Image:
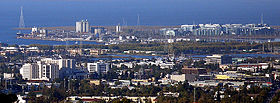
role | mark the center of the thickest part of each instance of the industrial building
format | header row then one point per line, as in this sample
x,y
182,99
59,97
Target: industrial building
x,y
82,26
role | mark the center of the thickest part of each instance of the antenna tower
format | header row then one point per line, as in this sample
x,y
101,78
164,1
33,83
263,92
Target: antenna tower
x,y
21,21
138,20
262,18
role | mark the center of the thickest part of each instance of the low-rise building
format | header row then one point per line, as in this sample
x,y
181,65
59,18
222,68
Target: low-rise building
x,y
192,74
107,99
95,82
8,75
218,59
178,78
252,67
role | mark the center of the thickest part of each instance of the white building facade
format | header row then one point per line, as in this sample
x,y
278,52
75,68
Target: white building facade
x,y
62,63
39,71
82,26
30,71
98,67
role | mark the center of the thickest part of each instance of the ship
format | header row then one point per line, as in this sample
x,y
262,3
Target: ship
x,y
20,34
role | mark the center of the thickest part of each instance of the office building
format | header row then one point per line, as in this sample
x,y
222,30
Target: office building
x,y
98,67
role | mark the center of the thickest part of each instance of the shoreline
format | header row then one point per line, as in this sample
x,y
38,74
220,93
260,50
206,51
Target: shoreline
x,y
49,39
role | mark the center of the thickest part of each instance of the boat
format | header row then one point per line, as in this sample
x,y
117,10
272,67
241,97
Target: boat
x,y
20,34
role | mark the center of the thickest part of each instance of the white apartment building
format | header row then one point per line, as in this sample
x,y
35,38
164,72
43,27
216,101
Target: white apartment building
x,y
39,71
62,63
30,71
50,71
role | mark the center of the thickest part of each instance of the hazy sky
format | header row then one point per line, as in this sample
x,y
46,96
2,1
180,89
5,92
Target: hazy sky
x,y
152,12
50,13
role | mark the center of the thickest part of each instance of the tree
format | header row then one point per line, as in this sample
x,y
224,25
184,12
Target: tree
x,y
10,98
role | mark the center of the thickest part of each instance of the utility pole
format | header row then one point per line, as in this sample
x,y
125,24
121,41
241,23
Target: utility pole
x,y
263,47
6,84
69,85
67,44
194,95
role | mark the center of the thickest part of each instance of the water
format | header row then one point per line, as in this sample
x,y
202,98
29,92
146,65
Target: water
x,y
241,55
133,56
124,57
97,59
254,55
49,13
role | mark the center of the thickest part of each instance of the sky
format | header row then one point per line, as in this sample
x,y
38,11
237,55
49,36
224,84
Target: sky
x,y
51,13
152,12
